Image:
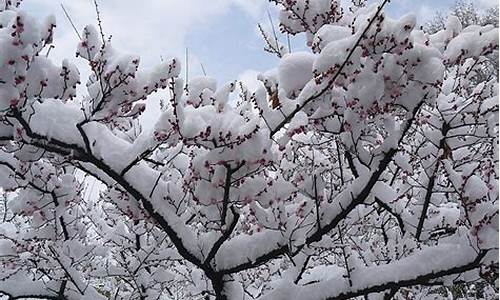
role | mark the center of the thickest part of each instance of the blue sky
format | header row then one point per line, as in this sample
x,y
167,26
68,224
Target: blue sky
x,y
221,34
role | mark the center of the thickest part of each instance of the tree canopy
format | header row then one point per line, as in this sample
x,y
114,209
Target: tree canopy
x,y
366,166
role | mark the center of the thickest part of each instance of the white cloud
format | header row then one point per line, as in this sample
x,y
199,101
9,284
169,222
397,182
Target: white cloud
x,y
255,8
152,29
159,27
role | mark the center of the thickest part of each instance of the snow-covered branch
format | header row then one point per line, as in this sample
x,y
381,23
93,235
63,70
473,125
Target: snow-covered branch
x,y
366,166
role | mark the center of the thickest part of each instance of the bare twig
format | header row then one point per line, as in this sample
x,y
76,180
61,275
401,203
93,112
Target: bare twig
x,y
71,22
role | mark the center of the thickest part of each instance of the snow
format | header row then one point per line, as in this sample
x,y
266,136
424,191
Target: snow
x,y
53,119
425,262
466,45
299,158
329,33
335,53
368,88
475,188
294,71
7,247
18,286
200,89
91,43
248,248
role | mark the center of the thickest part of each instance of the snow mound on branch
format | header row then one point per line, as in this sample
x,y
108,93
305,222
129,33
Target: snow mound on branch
x,y
476,188
294,71
335,53
329,33
200,90
473,41
368,88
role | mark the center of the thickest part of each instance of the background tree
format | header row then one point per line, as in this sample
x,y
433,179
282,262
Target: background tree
x,y
365,167
469,14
